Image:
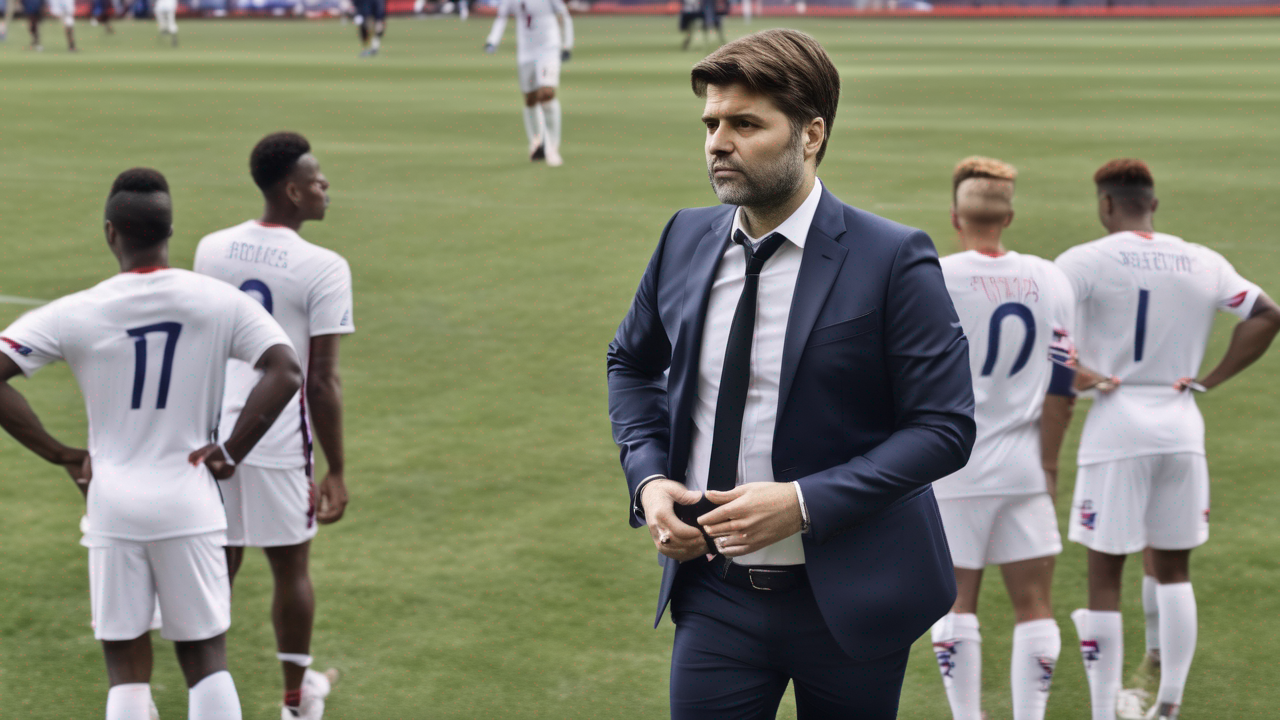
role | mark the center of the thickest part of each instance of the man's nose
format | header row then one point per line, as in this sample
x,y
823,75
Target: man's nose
x,y
719,142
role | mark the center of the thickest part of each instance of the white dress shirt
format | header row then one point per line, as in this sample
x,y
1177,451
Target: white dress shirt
x,y
773,308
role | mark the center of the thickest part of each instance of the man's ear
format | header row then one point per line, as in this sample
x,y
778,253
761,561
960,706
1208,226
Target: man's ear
x,y
1155,205
292,192
1009,220
109,232
955,219
814,134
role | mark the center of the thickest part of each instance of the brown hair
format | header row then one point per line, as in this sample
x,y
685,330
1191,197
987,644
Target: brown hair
x,y
788,66
982,189
976,166
1125,172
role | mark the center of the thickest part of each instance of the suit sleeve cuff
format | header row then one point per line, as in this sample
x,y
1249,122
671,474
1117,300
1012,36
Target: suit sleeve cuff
x,y
806,527
637,508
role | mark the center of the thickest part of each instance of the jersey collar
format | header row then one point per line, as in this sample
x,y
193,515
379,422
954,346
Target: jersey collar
x,y
150,269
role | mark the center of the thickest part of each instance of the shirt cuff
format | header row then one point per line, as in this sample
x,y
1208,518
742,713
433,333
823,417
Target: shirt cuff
x,y
637,509
805,525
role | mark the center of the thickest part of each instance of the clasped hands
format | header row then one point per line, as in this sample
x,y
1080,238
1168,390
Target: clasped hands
x,y
749,517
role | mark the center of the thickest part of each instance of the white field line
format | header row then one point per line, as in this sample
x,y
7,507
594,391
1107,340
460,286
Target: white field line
x,y
13,300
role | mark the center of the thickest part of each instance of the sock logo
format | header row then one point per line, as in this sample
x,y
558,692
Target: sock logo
x,y
1046,671
1088,516
946,652
1089,651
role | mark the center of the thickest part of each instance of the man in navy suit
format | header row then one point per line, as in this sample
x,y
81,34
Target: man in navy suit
x,y
789,380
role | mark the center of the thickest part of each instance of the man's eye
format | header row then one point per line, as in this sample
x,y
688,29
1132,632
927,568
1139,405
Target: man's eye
x,y
744,124
711,126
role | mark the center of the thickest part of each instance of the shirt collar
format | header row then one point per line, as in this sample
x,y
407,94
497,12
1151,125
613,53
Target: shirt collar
x,y
795,228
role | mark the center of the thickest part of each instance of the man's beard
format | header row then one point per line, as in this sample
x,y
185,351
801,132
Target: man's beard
x,y
763,186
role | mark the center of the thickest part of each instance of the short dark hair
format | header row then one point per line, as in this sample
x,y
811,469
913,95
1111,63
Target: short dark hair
x,y
275,156
139,207
788,66
1129,182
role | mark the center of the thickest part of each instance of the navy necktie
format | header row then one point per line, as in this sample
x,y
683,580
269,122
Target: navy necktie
x,y
726,438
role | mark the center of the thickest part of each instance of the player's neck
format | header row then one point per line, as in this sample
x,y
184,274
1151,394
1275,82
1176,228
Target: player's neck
x,y
151,258
760,221
986,243
1135,225
282,218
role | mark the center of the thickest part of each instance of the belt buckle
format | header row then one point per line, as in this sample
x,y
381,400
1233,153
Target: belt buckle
x,y
751,576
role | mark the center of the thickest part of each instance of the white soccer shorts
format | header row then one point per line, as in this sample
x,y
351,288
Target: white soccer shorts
x,y
188,575
543,72
999,529
65,9
269,507
1123,506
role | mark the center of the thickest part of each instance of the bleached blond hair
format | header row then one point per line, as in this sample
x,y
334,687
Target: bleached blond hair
x,y
982,189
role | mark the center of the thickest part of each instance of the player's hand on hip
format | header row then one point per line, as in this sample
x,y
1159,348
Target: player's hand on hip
x,y
211,456
333,499
565,55
81,473
752,517
672,537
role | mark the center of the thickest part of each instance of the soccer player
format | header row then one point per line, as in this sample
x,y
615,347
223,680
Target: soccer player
x,y
166,12
539,52
149,349
270,499
1147,302
1017,311
371,18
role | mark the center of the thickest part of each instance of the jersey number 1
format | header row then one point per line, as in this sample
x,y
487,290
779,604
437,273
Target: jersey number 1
x,y
139,335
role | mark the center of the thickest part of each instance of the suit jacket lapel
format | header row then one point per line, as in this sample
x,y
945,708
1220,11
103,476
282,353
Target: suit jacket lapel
x,y
819,267
685,355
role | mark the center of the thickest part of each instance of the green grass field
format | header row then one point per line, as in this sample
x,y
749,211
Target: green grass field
x,y
485,568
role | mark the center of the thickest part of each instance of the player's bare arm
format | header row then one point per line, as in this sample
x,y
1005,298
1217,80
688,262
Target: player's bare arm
x,y
20,421
281,379
1054,420
324,396
1249,342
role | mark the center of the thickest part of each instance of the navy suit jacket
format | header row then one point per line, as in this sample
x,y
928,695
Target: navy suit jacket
x,y
875,403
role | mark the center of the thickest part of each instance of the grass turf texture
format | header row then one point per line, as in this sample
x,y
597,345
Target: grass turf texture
x,y
485,568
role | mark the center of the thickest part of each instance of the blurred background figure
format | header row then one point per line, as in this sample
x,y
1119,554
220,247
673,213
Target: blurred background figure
x,y
167,19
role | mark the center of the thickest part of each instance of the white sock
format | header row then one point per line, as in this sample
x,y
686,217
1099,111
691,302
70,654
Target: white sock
x,y
1151,609
958,646
214,698
131,701
551,111
1036,646
375,43
463,11
1102,649
1178,629
533,122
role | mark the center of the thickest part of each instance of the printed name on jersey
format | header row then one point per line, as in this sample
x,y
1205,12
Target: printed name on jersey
x,y
1157,261
1007,289
258,254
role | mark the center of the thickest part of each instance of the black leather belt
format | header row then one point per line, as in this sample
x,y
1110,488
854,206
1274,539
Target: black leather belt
x,y
771,577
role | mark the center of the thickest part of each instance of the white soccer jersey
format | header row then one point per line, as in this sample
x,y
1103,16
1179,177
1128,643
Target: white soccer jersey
x,y
149,350
1012,308
307,289
1146,308
537,32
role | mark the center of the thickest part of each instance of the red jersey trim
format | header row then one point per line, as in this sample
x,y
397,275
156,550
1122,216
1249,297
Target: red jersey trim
x,y
268,225
145,270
